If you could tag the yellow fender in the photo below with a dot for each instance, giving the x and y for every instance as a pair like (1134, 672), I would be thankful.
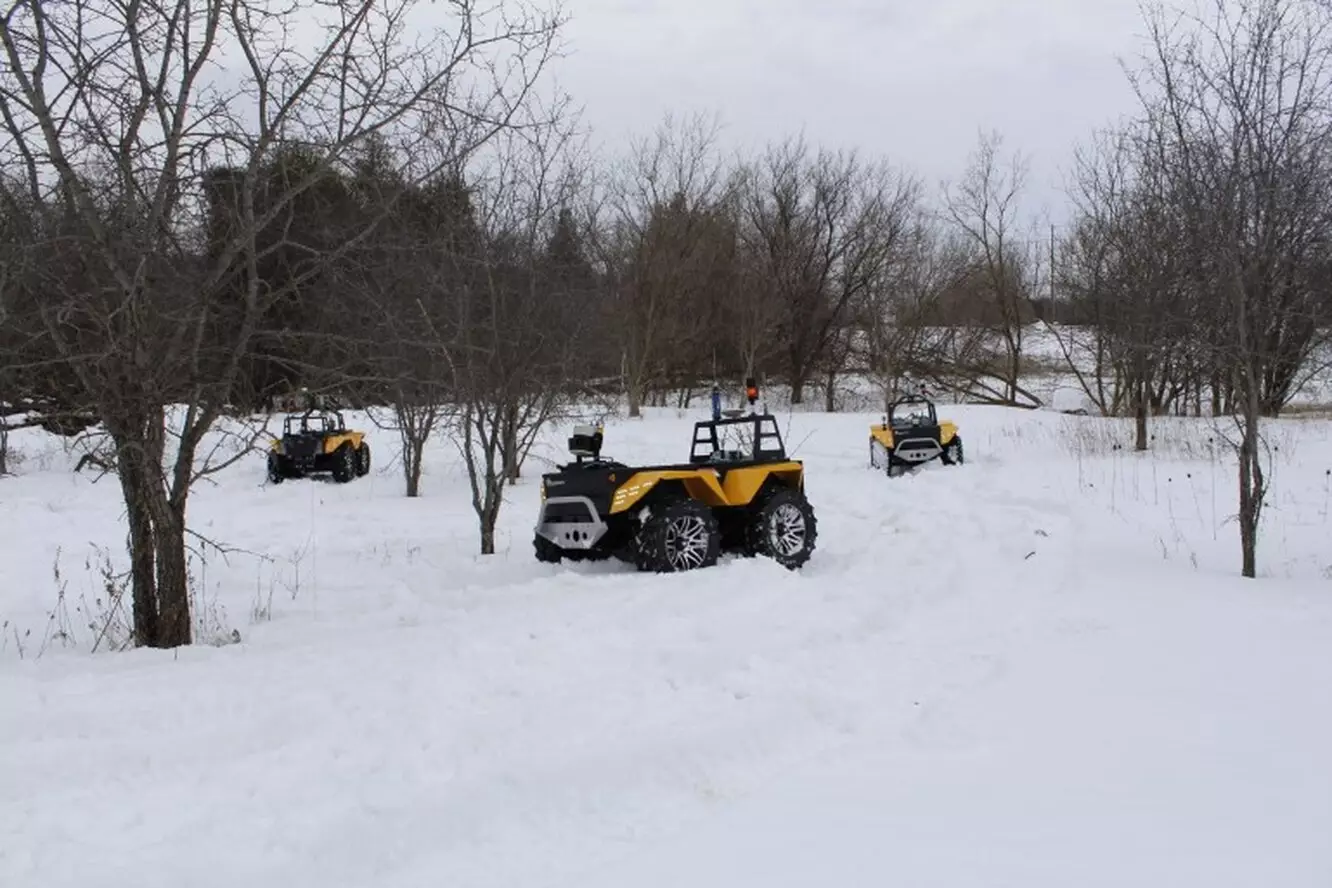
(704, 484)
(333, 442)
(884, 434)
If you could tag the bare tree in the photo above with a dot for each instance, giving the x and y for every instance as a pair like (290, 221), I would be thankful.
(415, 389)
(1086, 270)
(751, 314)
(1123, 268)
(821, 226)
(656, 240)
(159, 197)
(36, 388)
(513, 339)
(1083, 272)
(984, 207)
(10, 222)
(1238, 107)
(899, 333)
(410, 275)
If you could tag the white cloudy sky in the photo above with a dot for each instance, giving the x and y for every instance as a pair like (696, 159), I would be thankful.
(911, 79)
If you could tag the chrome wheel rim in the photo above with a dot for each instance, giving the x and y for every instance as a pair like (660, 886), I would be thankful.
(786, 530)
(687, 541)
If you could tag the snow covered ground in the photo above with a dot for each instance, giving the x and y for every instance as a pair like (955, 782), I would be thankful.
(1037, 669)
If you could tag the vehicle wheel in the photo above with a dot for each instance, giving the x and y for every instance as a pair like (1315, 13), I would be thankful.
(546, 551)
(344, 464)
(275, 473)
(952, 454)
(784, 528)
(363, 460)
(679, 535)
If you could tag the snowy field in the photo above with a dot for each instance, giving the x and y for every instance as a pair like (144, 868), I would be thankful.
(1037, 669)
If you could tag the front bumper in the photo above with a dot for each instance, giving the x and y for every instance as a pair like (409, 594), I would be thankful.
(570, 522)
(911, 451)
(917, 450)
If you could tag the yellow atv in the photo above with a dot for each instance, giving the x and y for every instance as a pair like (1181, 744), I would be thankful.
(912, 434)
(738, 493)
(318, 441)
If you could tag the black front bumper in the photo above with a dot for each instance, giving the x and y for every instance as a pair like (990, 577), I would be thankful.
(302, 453)
(571, 522)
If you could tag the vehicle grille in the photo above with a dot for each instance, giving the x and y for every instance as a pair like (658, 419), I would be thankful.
(300, 447)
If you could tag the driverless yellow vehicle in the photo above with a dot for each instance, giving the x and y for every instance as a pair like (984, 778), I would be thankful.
(318, 441)
(739, 492)
(912, 434)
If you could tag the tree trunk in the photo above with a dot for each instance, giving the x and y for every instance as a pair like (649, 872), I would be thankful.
(412, 452)
(634, 391)
(143, 562)
(797, 387)
(159, 579)
(173, 583)
(509, 444)
(1140, 414)
(416, 423)
(799, 375)
(1014, 370)
(490, 516)
(4, 448)
(830, 393)
(1228, 402)
(1160, 398)
(1273, 404)
(1282, 371)
(1251, 491)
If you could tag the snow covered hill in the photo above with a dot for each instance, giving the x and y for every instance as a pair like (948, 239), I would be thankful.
(1037, 669)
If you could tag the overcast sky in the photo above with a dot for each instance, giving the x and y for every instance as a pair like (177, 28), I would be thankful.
(910, 79)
